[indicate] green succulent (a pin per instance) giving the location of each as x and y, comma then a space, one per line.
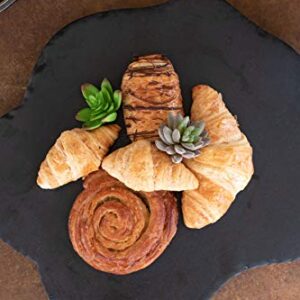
102, 104
180, 138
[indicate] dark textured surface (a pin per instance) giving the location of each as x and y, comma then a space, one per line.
25, 29
213, 44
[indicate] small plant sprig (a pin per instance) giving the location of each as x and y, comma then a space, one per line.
180, 138
102, 105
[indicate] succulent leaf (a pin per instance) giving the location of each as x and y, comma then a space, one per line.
98, 116
105, 84
199, 146
189, 146
117, 99
88, 89
167, 133
176, 135
96, 111
176, 158
110, 118
191, 139
161, 135
171, 121
90, 125
179, 149
197, 139
103, 105
106, 106
196, 132
185, 138
200, 143
179, 118
161, 145
106, 96
183, 124
170, 150
189, 155
188, 131
181, 138
91, 101
100, 99
83, 115
111, 108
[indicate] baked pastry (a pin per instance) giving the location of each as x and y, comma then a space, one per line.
223, 168
75, 154
117, 230
150, 90
142, 167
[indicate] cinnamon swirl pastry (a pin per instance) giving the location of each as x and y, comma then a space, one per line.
117, 230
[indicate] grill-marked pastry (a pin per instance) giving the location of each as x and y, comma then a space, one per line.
117, 230
75, 154
150, 90
223, 168
142, 167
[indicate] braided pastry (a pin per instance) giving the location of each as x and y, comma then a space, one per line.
151, 90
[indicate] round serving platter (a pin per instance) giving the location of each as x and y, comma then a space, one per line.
207, 42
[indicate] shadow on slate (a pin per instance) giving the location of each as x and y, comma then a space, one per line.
208, 42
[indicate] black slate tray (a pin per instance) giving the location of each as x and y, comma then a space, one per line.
208, 42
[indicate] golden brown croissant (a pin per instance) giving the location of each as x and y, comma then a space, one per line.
75, 154
117, 230
223, 168
142, 167
151, 90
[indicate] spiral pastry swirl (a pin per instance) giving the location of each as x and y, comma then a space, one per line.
119, 231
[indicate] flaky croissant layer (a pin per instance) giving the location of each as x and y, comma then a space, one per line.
75, 154
223, 169
142, 167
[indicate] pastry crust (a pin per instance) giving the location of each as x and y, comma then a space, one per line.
223, 168
117, 230
208, 106
142, 167
151, 90
75, 154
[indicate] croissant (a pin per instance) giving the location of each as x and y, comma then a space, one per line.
151, 90
142, 167
117, 230
75, 154
223, 168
